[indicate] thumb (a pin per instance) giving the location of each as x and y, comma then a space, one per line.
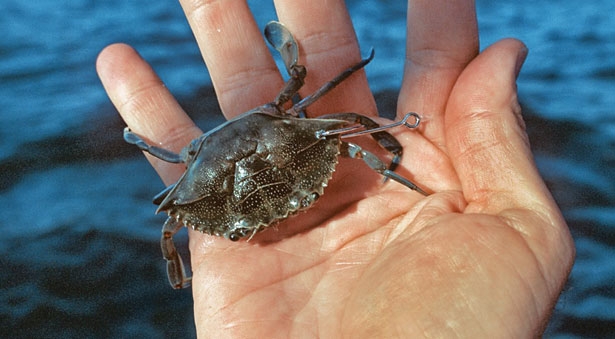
486, 134
487, 143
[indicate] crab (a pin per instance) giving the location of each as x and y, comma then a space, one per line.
266, 164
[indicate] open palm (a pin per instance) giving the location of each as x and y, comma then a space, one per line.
487, 253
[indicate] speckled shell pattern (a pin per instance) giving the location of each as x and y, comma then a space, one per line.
254, 171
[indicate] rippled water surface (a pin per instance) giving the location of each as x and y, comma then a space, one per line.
79, 249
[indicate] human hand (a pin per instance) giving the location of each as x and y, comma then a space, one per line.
486, 254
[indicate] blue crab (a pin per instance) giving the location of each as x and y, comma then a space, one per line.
266, 164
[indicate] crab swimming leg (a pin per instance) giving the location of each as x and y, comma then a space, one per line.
280, 38
283, 41
175, 266
356, 152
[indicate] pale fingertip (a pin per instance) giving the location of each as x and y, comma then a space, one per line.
111, 65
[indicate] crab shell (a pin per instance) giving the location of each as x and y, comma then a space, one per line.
253, 171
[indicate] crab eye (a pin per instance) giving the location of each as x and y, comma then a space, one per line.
234, 236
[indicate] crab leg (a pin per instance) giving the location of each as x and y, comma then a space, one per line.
158, 152
283, 41
356, 152
386, 140
160, 196
310, 99
292, 86
175, 267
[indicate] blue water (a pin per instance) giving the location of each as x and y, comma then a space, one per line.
76, 204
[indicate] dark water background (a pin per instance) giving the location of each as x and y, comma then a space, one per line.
79, 252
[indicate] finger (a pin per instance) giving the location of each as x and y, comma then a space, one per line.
486, 134
242, 70
327, 45
145, 104
442, 37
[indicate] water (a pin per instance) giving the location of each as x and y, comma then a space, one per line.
75, 200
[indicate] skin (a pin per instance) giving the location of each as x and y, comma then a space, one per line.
485, 255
